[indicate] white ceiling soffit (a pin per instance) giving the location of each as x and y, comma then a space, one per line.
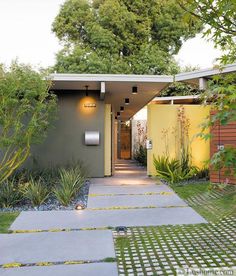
117, 88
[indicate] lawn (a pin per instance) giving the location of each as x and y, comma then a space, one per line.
6, 219
162, 250
212, 204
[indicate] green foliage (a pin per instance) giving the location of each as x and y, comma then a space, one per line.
180, 89
172, 170
10, 193
109, 36
141, 155
218, 17
70, 183
26, 109
221, 93
6, 219
36, 192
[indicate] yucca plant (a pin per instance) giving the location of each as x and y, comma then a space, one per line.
172, 170
10, 193
71, 181
166, 169
35, 192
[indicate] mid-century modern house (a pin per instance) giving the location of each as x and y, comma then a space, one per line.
93, 107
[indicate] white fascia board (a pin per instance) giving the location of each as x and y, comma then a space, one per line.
112, 78
176, 98
205, 73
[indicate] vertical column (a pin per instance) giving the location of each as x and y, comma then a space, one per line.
107, 141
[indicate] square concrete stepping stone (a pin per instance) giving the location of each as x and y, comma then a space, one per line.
135, 201
142, 180
88, 218
103, 269
125, 189
56, 246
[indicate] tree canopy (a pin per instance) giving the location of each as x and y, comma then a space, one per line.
26, 110
121, 36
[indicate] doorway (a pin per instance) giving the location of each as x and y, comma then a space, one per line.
124, 138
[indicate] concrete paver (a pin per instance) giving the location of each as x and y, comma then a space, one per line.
125, 189
104, 218
135, 201
56, 246
94, 269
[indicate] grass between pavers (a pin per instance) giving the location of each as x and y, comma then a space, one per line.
163, 249
6, 219
211, 204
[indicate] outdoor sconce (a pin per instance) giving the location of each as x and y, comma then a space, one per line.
126, 101
79, 206
134, 90
122, 109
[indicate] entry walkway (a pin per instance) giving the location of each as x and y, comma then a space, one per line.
65, 239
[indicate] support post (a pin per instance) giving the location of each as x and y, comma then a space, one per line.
202, 84
103, 90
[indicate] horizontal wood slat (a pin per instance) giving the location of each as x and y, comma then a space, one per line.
223, 135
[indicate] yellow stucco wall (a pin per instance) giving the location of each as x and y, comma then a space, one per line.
164, 117
107, 140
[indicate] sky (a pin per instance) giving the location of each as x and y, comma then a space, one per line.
25, 34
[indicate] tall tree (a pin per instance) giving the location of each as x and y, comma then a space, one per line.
219, 17
121, 36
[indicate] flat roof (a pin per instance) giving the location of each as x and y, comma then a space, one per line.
111, 78
205, 73
117, 87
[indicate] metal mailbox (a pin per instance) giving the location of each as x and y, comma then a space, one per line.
92, 138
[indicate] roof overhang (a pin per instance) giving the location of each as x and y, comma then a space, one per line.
193, 77
115, 88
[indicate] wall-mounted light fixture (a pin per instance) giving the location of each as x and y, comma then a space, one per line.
126, 101
86, 90
118, 114
122, 109
134, 90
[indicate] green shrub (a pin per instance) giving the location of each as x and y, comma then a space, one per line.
35, 192
141, 155
10, 194
71, 181
172, 170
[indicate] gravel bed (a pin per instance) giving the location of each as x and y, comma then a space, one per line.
52, 204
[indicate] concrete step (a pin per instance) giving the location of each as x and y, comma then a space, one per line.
56, 246
135, 201
125, 189
46, 220
94, 269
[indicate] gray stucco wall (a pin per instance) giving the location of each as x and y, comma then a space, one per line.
65, 141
